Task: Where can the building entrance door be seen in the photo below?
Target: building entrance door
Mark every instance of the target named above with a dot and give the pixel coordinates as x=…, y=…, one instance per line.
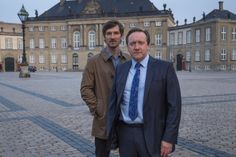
x=9, y=64
x=0, y=67
x=75, y=62
x=179, y=65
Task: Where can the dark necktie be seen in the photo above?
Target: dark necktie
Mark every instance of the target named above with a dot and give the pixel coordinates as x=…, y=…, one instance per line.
x=133, y=101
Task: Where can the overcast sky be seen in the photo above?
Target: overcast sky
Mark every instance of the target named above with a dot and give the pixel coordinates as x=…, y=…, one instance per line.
x=181, y=8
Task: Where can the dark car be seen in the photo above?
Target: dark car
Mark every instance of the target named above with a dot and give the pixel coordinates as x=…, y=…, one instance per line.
x=32, y=68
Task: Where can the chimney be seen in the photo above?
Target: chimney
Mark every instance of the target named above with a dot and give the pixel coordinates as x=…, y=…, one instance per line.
x=221, y=5
x=62, y=2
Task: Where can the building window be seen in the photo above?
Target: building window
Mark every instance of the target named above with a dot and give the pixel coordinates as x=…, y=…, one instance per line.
x=223, y=55
x=75, y=62
x=146, y=24
x=158, y=39
x=188, y=37
x=53, y=58
x=64, y=58
x=188, y=56
x=207, y=67
x=172, y=38
x=234, y=54
x=171, y=56
x=20, y=43
x=222, y=67
x=158, y=55
x=122, y=42
x=19, y=59
x=53, y=43
x=198, y=35
x=223, y=33
x=180, y=38
x=31, y=29
x=92, y=39
x=132, y=25
x=63, y=28
x=197, y=56
x=233, y=67
x=41, y=59
x=31, y=43
x=9, y=43
x=76, y=40
x=31, y=59
x=41, y=44
x=197, y=67
x=207, y=56
x=53, y=28
x=234, y=34
x=63, y=43
x=41, y=28
x=208, y=34
x=158, y=23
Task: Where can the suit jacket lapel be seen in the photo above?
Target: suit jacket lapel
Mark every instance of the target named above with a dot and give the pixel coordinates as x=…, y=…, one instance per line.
x=150, y=72
x=124, y=74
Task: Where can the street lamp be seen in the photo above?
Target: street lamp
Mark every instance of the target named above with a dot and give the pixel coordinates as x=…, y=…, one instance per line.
x=24, y=72
x=190, y=63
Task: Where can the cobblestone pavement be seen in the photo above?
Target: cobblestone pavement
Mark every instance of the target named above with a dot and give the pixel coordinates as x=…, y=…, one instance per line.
x=44, y=116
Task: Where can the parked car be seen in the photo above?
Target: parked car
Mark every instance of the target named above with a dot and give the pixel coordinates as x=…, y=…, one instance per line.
x=32, y=68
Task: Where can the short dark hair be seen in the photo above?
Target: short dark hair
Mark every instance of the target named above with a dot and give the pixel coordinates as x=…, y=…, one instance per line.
x=138, y=30
x=110, y=24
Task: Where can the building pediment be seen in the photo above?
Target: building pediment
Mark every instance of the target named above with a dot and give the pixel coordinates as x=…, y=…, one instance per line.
x=92, y=7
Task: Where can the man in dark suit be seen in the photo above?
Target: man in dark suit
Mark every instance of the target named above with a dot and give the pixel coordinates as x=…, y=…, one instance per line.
x=145, y=106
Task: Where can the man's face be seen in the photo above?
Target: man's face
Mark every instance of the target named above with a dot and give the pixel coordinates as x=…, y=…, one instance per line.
x=138, y=46
x=113, y=37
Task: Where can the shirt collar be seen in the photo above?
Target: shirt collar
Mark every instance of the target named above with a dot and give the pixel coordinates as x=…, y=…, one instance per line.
x=108, y=54
x=143, y=63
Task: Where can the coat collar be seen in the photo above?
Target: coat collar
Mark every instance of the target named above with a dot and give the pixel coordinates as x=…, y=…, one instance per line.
x=106, y=54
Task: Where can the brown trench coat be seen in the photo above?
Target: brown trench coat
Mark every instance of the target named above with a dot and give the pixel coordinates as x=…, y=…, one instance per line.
x=96, y=88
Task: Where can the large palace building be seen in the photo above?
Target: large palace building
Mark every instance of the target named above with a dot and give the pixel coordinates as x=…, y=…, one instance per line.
x=66, y=35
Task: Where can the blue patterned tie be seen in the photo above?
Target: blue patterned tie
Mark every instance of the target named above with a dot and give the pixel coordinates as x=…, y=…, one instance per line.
x=133, y=101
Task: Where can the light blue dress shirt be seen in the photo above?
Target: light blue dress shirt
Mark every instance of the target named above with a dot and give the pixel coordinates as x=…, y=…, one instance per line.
x=126, y=95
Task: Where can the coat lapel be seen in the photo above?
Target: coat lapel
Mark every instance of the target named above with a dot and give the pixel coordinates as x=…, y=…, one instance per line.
x=123, y=78
x=150, y=72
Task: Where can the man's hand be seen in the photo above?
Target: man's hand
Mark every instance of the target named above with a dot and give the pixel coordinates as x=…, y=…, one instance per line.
x=166, y=148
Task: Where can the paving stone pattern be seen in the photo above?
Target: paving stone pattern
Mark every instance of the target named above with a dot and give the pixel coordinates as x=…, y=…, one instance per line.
x=44, y=116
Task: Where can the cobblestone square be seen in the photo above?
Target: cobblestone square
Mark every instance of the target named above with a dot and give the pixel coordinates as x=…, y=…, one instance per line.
x=44, y=116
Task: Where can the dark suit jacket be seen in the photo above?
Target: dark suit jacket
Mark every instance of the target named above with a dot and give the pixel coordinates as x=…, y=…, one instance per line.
x=162, y=103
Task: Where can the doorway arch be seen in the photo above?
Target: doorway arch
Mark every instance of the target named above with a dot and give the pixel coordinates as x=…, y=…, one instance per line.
x=9, y=64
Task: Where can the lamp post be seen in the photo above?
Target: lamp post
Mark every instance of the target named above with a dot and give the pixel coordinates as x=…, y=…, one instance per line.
x=190, y=63
x=24, y=72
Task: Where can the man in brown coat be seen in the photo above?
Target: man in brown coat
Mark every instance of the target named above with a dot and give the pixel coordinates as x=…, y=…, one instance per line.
x=97, y=82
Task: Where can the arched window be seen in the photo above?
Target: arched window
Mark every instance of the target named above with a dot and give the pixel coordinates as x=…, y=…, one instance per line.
x=91, y=39
x=76, y=40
